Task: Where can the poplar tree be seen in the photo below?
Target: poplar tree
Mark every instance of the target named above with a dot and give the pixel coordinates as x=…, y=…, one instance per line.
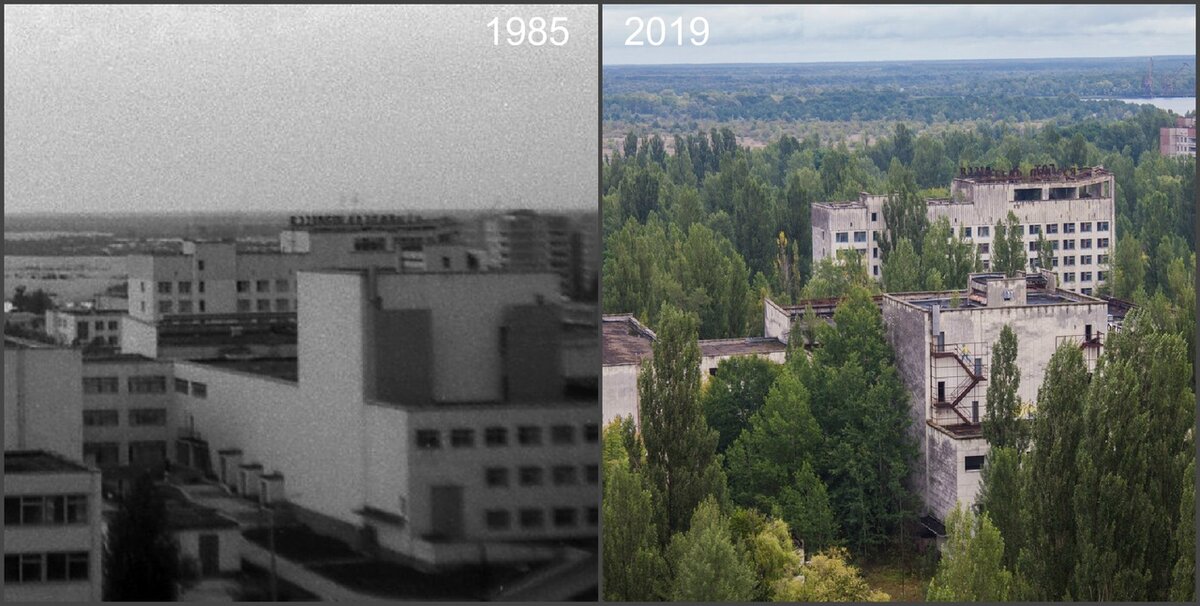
x=680, y=446
x=141, y=558
x=706, y=565
x=1002, y=426
x=633, y=566
x=1008, y=248
x=972, y=567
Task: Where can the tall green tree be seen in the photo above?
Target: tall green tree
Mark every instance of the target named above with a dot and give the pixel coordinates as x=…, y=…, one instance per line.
x=680, y=446
x=735, y=393
x=904, y=212
x=972, y=567
x=1000, y=497
x=835, y=278
x=946, y=260
x=765, y=544
x=902, y=270
x=141, y=558
x=1002, y=426
x=804, y=505
x=1183, y=575
x=1048, y=554
x=1008, y=247
x=1045, y=253
x=706, y=565
x=1129, y=267
x=633, y=566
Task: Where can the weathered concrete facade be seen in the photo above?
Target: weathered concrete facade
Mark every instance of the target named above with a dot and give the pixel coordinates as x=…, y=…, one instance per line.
x=1074, y=210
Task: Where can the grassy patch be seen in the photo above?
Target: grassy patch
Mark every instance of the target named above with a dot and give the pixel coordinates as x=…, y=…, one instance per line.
x=893, y=580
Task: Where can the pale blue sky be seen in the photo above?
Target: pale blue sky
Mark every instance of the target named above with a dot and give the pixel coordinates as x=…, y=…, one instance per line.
x=807, y=33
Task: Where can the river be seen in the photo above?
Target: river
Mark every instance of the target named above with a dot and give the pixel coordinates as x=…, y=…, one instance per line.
x=1179, y=105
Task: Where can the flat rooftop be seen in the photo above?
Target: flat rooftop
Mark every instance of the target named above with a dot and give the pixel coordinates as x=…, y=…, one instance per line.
x=1039, y=174
x=929, y=300
x=286, y=369
x=13, y=342
x=101, y=357
x=626, y=341
x=741, y=347
x=40, y=461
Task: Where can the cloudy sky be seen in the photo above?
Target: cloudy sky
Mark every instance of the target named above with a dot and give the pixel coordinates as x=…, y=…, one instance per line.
x=798, y=34
x=294, y=108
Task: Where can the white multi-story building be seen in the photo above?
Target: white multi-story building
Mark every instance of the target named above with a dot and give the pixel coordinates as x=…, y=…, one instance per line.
x=52, y=530
x=943, y=354
x=128, y=404
x=1179, y=140
x=1072, y=209
x=85, y=326
x=428, y=414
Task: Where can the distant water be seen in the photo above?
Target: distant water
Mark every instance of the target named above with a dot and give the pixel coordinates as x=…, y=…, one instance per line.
x=1179, y=105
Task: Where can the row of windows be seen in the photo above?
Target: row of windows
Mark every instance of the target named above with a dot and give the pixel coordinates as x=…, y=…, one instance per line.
x=138, y=417
x=185, y=307
x=244, y=305
x=843, y=237
x=135, y=384
x=199, y=390
x=527, y=435
x=243, y=286
x=561, y=475
x=29, y=510
x=561, y=517
x=1084, y=276
x=1085, y=243
x=46, y=567
x=98, y=325
x=141, y=452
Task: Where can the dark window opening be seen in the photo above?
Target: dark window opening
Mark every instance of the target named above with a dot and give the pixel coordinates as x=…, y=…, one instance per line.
x=974, y=463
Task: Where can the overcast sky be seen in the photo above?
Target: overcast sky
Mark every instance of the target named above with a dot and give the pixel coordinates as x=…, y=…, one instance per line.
x=282, y=108
x=799, y=34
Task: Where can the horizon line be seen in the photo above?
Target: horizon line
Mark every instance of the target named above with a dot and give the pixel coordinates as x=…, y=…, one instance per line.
x=726, y=63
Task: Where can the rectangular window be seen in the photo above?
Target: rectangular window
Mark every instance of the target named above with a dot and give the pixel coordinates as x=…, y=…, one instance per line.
x=1102, y=243
x=243, y=305
x=495, y=436
x=1054, y=245
x=984, y=248
x=842, y=237
x=496, y=476
x=102, y=454
x=262, y=305
x=1035, y=230
x=200, y=286
x=143, y=417
x=281, y=304
x=966, y=231
x=185, y=288
x=282, y=285
x=1033, y=246
x=530, y=476
x=1102, y=259
x=987, y=264
x=1068, y=244
x=875, y=253
x=564, y=517
x=591, y=433
x=262, y=286
x=1069, y=260
x=181, y=386
x=593, y=515
x=200, y=265
x=562, y=434
x=164, y=288
x=1069, y=276
x=147, y=384
x=1052, y=228
x=99, y=325
x=860, y=236
x=1068, y=228
x=369, y=244
x=1085, y=227
x=1102, y=226
x=532, y=518
x=1085, y=243
x=592, y=472
x=101, y=418
x=874, y=217
x=29, y=510
x=101, y=385
x=199, y=390
x=462, y=438
x=974, y=463
x=164, y=307
x=984, y=231
x=1085, y=276
x=428, y=439
x=112, y=325
x=185, y=307
x=243, y=286
x=498, y=519
x=1101, y=276
x=1085, y=259
x=529, y=435
x=564, y=475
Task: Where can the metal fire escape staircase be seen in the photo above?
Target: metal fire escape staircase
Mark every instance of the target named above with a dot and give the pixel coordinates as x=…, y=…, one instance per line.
x=972, y=374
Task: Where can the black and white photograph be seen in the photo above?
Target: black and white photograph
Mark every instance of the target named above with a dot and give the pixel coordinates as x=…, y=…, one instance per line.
x=301, y=303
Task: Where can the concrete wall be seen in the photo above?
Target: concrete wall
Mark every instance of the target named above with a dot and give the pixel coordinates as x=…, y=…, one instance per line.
x=139, y=336
x=43, y=400
x=46, y=538
x=907, y=332
x=620, y=392
x=777, y=323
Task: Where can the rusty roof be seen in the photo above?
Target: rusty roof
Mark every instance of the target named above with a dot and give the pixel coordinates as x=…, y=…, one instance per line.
x=626, y=341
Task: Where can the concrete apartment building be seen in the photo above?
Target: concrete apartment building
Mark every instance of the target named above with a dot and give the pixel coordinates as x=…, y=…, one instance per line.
x=86, y=326
x=525, y=240
x=1179, y=140
x=43, y=402
x=944, y=353
x=627, y=342
x=433, y=416
x=128, y=410
x=52, y=529
x=1073, y=209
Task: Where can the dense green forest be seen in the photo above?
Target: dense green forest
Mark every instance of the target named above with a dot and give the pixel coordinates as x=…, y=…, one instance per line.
x=711, y=226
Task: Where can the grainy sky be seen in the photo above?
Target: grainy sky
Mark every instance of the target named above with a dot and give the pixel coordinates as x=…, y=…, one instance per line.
x=282, y=108
x=799, y=34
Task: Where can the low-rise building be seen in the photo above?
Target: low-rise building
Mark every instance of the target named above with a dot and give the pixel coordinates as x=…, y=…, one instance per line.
x=52, y=528
x=1178, y=140
x=85, y=326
